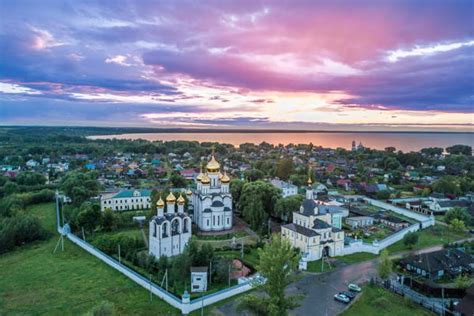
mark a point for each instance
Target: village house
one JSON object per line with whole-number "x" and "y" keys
{"x": 359, "y": 221}
{"x": 287, "y": 189}
{"x": 433, "y": 265}
{"x": 393, "y": 222}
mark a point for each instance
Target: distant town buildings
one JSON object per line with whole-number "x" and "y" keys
{"x": 170, "y": 231}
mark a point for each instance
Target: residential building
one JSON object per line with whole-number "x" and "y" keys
{"x": 433, "y": 265}
{"x": 212, "y": 200}
{"x": 169, "y": 232}
{"x": 314, "y": 229}
{"x": 126, "y": 200}
{"x": 287, "y": 189}
{"x": 393, "y": 222}
{"x": 359, "y": 221}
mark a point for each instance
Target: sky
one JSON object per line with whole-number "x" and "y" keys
{"x": 322, "y": 65}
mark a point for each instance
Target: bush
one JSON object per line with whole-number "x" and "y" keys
{"x": 19, "y": 230}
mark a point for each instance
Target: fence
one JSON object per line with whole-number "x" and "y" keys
{"x": 376, "y": 247}
{"x": 184, "y": 304}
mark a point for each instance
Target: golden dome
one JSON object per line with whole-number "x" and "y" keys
{"x": 310, "y": 182}
{"x": 189, "y": 192}
{"x": 225, "y": 178}
{"x": 170, "y": 198}
{"x": 160, "y": 203}
{"x": 213, "y": 165}
{"x": 181, "y": 200}
{"x": 199, "y": 177}
{"x": 205, "y": 179}
{"x": 220, "y": 175}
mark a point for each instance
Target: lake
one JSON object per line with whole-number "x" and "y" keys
{"x": 380, "y": 140}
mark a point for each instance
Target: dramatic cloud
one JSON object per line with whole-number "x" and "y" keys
{"x": 244, "y": 63}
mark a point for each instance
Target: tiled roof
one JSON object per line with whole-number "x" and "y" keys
{"x": 301, "y": 230}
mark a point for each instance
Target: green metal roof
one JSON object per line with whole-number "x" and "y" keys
{"x": 129, "y": 193}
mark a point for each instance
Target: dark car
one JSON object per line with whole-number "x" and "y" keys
{"x": 350, "y": 295}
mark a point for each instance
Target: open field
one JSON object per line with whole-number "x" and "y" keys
{"x": 37, "y": 282}
{"x": 377, "y": 301}
{"x": 432, "y": 236}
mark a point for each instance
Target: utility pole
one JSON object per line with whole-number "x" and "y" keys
{"x": 210, "y": 272}
{"x": 229, "y": 274}
{"x": 83, "y": 235}
{"x": 151, "y": 296}
{"x": 120, "y": 259}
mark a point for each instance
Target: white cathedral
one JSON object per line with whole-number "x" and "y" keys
{"x": 211, "y": 200}
{"x": 170, "y": 231}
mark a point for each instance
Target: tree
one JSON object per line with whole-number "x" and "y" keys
{"x": 459, "y": 213}
{"x": 462, "y": 281}
{"x": 10, "y": 188}
{"x": 30, "y": 178}
{"x": 277, "y": 263}
{"x": 257, "y": 202}
{"x": 254, "y": 174}
{"x": 236, "y": 189}
{"x": 383, "y": 195}
{"x": 432, "y": 151}
{"x": 385, "y": 265}
{"x": 410, "y": 240}
{"x": 108, "y": 220}
{"x": 89, "y": 216}
{"x": 457, "y": 225}
{"x": 460, "y": 150}
{"x": 447, "y": 184}
{"x": 177, "y": 180}
{"x": 391, "y": 163}
{"x": 285, "y": 207}
{"x": 284, "y": 168}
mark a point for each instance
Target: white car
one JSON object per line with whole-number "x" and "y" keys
{"x": 342, "y": 298}
{"x": 354, "y": 287}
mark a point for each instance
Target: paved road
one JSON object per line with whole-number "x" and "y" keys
{"x": 319, "y": 289}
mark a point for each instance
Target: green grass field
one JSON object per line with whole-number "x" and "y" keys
{"x": 438, "y": 235}
{"x": 378, "y": 302}
{"x": 36, "y": 282}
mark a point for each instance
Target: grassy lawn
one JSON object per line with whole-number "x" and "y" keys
{"x": 377, "y": 301}
{"x": 317, "y": 266}
{"x": 249, "y": 258}
{"x": 357, "y": 257}
{"x": 36, "y": 282}
{"x": 437, "y": 235}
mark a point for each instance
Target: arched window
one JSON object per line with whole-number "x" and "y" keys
{"x": 175, "y": 229}
{"x": 164, "y": 228}
{"x": 185, "y": 225}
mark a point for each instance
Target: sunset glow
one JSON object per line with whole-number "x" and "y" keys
{"x": 364, "y": 65}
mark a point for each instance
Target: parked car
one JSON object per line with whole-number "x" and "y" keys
{"x": 341, "y": 298}
{"x": 350, "y": 295}
{"x": 354, "y": 287}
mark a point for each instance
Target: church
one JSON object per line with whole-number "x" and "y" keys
{"x": 316, "y": 228}
{"x": 211, "y": 200}
{"x": 170, "y": 231}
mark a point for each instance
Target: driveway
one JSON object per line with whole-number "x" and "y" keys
{"x": 319, "y": 290}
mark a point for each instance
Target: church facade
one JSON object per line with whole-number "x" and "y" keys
{"x": 211, "y": 200}
{"x": 316, "y": 229}
{"x": 170, "y": 231}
